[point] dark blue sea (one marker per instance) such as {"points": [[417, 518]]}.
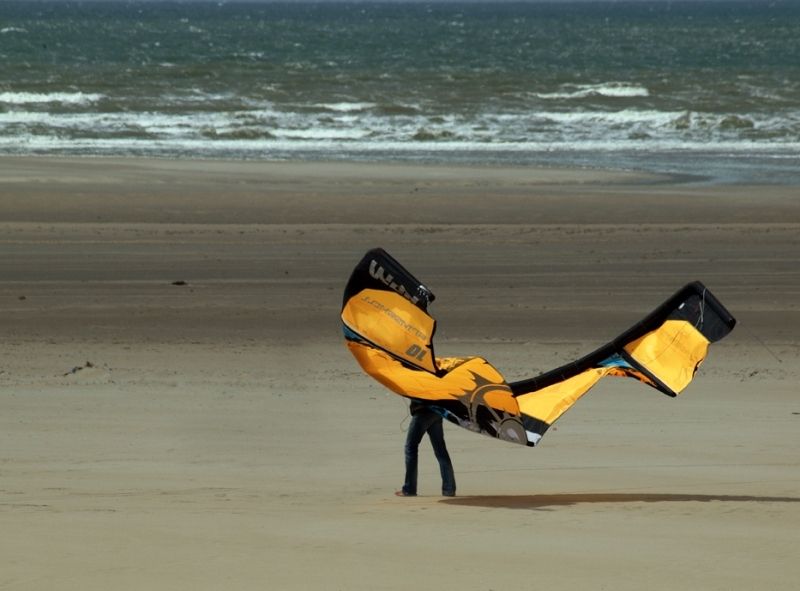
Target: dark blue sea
{"points": [[697, 88]]}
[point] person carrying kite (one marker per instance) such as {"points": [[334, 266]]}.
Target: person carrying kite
{"points": [[424, 420]]}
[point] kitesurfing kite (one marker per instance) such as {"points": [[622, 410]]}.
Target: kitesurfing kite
{"points": [[389, 331]]}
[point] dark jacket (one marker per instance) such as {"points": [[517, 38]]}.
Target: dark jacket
{"points": [[416, 407]]}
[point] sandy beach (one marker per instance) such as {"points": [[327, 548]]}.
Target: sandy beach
{"points": [[178, 410]]}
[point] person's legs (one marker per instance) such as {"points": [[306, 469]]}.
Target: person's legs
{"points": [[436, 433], [416, 430]]}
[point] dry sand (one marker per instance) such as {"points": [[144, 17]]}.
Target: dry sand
{"points": [[223, 438]]}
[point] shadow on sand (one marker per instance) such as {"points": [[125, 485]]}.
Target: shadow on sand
{"points": [[555, 500]]}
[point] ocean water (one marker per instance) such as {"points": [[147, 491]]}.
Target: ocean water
{"points": [[696, 88]]}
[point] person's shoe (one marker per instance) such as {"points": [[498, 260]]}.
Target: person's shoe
{"points": [[402, 493], [448, 494]]}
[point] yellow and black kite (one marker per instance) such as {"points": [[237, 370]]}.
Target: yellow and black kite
{"points": [[388, 330]]}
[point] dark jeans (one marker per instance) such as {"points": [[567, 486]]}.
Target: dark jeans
{"points": [[427, 421]]}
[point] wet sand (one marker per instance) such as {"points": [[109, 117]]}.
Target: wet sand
{"points": [[178, 411]]}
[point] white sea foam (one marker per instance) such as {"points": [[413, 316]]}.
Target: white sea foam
{"points": [[268, 147], [625, 116], [320, 133], [66, 98], [292, 130], [345, 107], [608, 89]]}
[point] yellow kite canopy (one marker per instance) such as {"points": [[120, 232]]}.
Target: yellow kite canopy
{"points": [[389, 331]]}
